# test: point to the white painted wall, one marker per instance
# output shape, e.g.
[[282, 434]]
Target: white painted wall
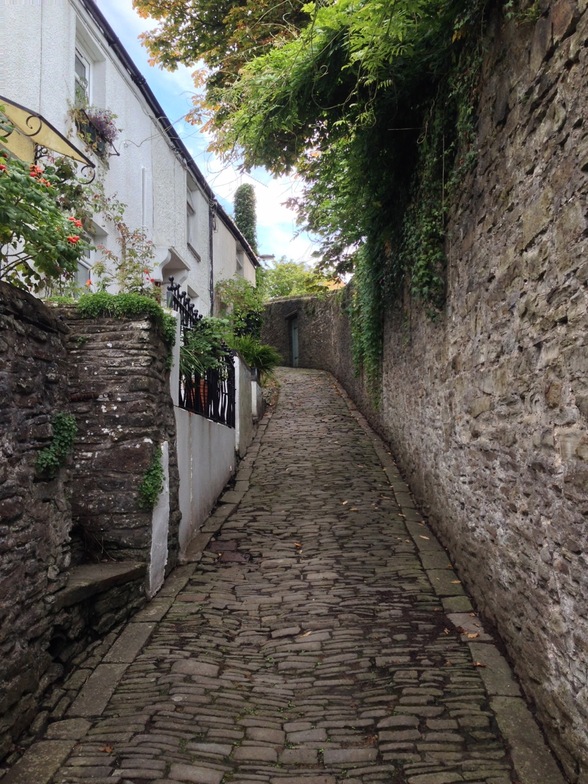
[[160, 530], [206, 458], [226, 249], [256, 401], [243, 407]]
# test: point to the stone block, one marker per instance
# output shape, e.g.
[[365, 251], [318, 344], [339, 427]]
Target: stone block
[[541, 44], [564, 18]]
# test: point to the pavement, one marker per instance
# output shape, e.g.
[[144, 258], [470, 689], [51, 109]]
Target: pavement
[[319, 634]]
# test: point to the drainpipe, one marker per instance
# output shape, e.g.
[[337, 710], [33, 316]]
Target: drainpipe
[[211, 229]]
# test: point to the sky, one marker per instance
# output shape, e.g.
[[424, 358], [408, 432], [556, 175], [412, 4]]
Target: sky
[[276, 224]]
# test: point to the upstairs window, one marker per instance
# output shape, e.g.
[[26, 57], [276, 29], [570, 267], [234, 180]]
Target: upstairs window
[[191, 223], [82, 77], [239, 263]]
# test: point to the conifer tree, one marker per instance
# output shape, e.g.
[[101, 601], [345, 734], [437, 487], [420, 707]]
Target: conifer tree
[[245, 215]]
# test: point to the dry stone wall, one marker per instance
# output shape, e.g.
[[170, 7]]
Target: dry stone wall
[[119, 393], [112, 376], [487, 409], [35, 512]]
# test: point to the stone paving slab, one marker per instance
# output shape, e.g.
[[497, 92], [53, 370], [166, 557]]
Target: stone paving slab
[[320, 636], [40, 762]]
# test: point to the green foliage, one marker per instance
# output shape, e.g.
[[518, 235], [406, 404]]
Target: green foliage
[[290, 279], [242, 304], [373, 103], [522, 10], [205, 347], [260, 356], [245, 216], [152, 483], [40, 238], [222, 33], [50, 459], [367, 293], [169, 329], [103, 304]]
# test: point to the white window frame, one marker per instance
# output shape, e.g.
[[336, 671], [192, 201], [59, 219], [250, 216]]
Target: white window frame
[[191, 227], [84, 86], [240, 263]]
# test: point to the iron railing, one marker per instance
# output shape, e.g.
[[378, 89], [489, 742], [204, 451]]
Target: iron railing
[[180, 301], [211, 395]]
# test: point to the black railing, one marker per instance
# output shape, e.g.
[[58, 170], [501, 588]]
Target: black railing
[[180, 301], [211, 395]]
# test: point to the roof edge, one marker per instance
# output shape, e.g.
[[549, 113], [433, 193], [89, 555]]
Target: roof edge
[[164, 121]]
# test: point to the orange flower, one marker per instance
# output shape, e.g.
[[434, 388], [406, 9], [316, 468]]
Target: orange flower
[[76, 222], [88, 283], [73, 238], [3, 167], [35, 170]]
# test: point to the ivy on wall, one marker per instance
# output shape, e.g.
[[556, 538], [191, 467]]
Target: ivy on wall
[[50, 459], [373, 104], [406, 254], [152, 483]]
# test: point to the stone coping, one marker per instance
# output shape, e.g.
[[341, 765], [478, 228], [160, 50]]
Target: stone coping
[[88, 580]]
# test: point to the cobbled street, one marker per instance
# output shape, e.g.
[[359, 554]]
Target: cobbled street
[[321, 636]]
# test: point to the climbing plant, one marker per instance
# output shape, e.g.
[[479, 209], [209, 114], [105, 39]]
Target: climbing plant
[[51, 458], [245, 215], [153, 482]]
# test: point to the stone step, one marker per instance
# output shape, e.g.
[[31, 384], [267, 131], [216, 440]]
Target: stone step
[[88, 580]]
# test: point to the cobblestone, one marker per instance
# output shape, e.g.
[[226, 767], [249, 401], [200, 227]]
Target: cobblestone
[[323, 654]]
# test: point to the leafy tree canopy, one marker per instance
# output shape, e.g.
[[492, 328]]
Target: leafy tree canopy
[[340, 91], [225, 34], [369, 101], [286, 278]]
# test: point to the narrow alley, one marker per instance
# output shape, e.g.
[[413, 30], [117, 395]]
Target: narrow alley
[[320, 637]]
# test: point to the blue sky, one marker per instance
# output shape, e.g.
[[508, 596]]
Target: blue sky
[[276, 225]]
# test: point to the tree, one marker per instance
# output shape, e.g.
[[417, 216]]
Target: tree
[[245, 216], [369, 101], [340, 91], [225, 34], [242, 304], [286, 278]]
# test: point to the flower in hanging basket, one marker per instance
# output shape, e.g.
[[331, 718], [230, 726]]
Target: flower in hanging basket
[[103, 122]]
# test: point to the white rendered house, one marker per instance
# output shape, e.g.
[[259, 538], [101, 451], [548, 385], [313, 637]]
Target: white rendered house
[[62, 54]]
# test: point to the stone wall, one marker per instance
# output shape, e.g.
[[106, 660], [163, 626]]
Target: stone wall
[[119, 393], [34, 512], [487, 408], [112, 376], [324, 341]]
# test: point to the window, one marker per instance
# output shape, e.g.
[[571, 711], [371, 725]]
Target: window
[[191, 224], [239, 263], [82, 76], [83, 274]]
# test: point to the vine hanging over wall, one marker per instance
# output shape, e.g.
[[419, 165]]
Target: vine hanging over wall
[[406, 252]]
